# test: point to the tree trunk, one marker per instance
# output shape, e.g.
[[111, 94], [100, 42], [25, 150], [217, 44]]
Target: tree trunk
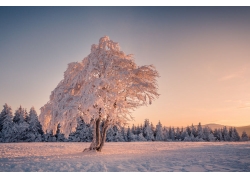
[[103, 138], [98, 134]]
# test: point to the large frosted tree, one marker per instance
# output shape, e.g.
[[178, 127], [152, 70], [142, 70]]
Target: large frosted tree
[[106, 87]]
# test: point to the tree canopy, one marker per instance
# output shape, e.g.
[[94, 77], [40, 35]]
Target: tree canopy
[[106, 85]]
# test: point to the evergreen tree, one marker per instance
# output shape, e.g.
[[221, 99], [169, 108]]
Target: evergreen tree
[[147, 131], [35, 131], [83, 132], [165, 134], [130, 135], [237, 136], [6, 124], [178, 134], [59, 136], [244, 136], [133, 129], [206, 133], [225, 134], [194, 131], [140, 137], [124, 135], [19, 116], [6, 111], [159, 133], [171, 133], [199, 131]]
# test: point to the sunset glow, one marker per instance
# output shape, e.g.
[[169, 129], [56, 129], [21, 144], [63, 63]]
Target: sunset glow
[[201, 53]]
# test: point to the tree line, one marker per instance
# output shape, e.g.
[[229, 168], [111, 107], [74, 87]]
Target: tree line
[[25, 127]]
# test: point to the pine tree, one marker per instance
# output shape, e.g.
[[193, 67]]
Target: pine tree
[[147, 131], [83, 132], [199, 131], [130, 136], [225, 134], [194, 131], [59, 136], [159, 133], [6, 121], [178, 134], [172, 133], [35, 131], [19, 115], [123, 135], [165, 134], [244, 136], [206, 133]]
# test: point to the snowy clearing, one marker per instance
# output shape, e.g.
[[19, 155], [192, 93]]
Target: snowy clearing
[[126, 156]]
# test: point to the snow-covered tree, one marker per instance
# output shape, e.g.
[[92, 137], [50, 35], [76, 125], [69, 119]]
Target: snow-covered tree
[[225, 134], [159, 133], [59, 136], [171, 133], [194, 131], [147, 131], [83, 132], [6, 124], [35, 131], [244, 136], [130, 136], [199, 131], [20, 115], [178, 134], [124, 137], [206, 133], [105, 86]]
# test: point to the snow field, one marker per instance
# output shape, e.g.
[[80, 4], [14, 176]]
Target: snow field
[[126, 157]]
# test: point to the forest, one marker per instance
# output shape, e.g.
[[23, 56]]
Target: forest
[[25, 127]]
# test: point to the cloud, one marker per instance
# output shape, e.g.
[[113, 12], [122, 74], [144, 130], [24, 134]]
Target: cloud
[[229, 77], [245, 105], [238, 74]]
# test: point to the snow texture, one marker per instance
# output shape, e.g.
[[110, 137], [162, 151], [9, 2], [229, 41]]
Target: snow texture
[[126, 156]]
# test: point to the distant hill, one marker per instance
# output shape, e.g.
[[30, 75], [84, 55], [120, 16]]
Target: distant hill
[[239, 129]]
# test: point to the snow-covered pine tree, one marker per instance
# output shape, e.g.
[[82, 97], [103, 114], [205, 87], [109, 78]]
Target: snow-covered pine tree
[[188, 129], [130, 136], [140, 137], [124, 137], [139, 129], [6, 124], [20, 127], [49, 137], [165, 134], [172, 133], [19, 116], [110, 134], [106, 86], [147, 131], [236, 134], [211, 137], [83, 132], [225, 134], [59, 136], [199, 131], [178, 134], [133, 129], [116, 135], [206, 133], [159, 133], [35, 132], [153, 130], [194, 131], [244, 136]]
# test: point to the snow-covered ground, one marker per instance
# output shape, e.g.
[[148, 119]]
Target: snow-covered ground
[[126, 156]]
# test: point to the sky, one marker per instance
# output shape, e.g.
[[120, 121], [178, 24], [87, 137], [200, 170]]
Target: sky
[[202, 55]]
